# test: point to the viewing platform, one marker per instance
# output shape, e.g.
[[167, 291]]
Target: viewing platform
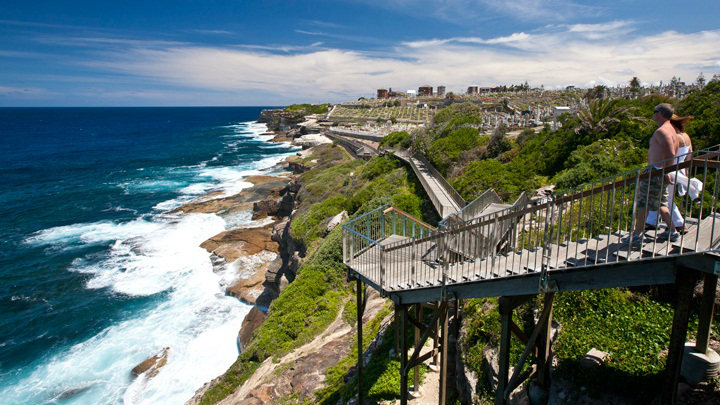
[[577, 240]]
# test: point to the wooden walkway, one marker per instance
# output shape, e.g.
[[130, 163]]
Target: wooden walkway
[[445, 199], [416, 266], [578, 240]]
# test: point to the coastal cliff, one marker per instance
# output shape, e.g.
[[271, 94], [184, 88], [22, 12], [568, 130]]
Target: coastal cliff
[[297, 342]]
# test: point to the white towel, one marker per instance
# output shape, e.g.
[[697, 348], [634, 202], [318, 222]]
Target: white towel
[[693, 187]]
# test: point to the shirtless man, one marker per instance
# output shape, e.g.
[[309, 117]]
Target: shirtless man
[[663, 147]]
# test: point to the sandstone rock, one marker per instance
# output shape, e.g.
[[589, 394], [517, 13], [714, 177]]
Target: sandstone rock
[[264, 208], [310, 140], [335, 221], [274, 271], [233, 244], [248, 289], [151, 365], [491, 365], [594, 358], [287, 203], [294, 263], [297, 167], [252, 321], [283, 282], [278, 231], [263, 186]]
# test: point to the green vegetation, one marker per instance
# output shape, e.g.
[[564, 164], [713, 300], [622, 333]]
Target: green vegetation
[[308, 108], [381, 376], [401, 139], [704, 105], [606, 138], [632, 328], [313, 300], [482, 322]]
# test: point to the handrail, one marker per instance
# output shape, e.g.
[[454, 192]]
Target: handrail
[[473, 208], [448, 188], [410, 217], [586, 226]]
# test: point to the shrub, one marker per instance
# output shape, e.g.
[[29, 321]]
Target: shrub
[[308, 108]]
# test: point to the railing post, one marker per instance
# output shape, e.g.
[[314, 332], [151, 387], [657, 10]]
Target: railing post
[[352, 249], [382, 224], [394, 222], [367, 226], [547, 239], [382, 266]]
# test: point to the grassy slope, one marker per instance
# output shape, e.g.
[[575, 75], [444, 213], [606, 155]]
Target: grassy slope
[[311, 302]]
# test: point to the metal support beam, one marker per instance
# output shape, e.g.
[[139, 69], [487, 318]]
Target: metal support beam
[[684, 285], [546, 313], [443, 353], [544, 357], [504, 352], [403, 355], [416, 379], [706, 312], [360, 310], [436, 333]]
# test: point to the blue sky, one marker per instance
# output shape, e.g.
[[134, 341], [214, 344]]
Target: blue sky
[[266, 52]]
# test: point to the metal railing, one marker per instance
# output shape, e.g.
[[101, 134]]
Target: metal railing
[[454, 199], [452, 193], [365, 236], [586, 226], [472, 209]]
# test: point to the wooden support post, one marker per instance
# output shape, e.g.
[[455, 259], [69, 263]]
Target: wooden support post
[[504, 352], [403, 355], [360, 310], [544, 357], [443, 354], [706, 312], [684, 285], [416, 380]]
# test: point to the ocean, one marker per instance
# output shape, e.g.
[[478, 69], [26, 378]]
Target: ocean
[[95, 276]]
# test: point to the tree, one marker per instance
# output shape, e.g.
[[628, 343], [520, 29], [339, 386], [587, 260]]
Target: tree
[[498, 142], [599, 114], [596, 92], [635, 83], [700, 81]]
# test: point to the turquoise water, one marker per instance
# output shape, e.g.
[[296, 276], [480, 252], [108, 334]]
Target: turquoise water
[[94, 275]]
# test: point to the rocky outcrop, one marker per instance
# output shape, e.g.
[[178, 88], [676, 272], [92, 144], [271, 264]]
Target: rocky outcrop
[[261, 287], [252, 321], [151, 366], [302, 372], [310, 140], [281, 120], [281, 207], [230, 245], [333, 222], [263, 187]]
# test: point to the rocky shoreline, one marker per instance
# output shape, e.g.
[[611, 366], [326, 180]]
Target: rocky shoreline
[[261, 257]]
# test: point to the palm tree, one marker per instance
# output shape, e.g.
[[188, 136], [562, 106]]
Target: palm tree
[[598, 114]]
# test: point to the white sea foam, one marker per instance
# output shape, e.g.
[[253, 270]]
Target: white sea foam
[[91, 233], [150, 255], [197, 321]]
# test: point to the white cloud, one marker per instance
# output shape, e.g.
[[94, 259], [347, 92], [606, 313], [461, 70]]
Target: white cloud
[[469, 11], [552, 58]]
